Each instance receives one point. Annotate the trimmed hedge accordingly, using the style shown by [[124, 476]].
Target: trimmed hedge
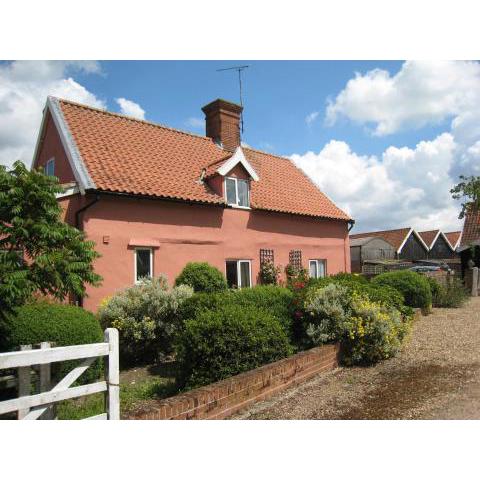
[[414, 287], [227, 341], [202, 277], [276, 300], [50, 322]]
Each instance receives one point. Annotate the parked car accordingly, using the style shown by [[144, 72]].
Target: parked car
[[424, 268]]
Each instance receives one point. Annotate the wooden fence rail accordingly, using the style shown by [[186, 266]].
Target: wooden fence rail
[[41, 405]]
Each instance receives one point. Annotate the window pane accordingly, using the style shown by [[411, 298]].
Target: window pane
[[313, 268], [232, 274], [245, 274], [50, 168], [231, 193], [243, 193], [143, 264], [321, 268]]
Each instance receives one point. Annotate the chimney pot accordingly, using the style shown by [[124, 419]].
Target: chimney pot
[[222, 122]]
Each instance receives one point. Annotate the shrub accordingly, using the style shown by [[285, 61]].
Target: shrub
[[368, 331], [269, 273], [201, 301], [274, 299], [147, 317], [227, 341], [383, 294], [437, 290], [453, 295], [57, 323], [349, 278], [327, 308], [202, 277], [374, 332], [296, 277], [414, 287]]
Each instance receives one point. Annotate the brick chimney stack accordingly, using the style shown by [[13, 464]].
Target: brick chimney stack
[[222, 121]]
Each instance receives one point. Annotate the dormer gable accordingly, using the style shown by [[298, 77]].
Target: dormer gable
[[231, 179], [237, 158]]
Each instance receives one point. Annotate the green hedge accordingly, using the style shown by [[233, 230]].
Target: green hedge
[[61, 324], [274, 299], [229, 340], [202, 277], [414, 287]]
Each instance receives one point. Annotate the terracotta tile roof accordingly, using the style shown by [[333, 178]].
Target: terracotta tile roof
[[453, 237], [127, 155], [429, 236], [471, 228], [394, 237]]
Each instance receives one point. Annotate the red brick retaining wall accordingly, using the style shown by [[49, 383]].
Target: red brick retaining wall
[[221, 399]]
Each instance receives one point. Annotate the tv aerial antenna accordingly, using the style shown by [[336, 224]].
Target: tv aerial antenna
[[239, 69]]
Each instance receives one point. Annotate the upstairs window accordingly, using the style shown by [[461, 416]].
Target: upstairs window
[[237, 192], [49, 168], [317, 268], [143, 264], [239, 273]]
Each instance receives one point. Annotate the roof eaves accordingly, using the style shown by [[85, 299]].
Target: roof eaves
[[77, 164]]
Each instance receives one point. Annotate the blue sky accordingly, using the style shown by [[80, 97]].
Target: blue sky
[[384, 140], [278, 96]]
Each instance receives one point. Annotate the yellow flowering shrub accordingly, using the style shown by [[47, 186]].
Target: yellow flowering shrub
[[373, 332], [368, 330]]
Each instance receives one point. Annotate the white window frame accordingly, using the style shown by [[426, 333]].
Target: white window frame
[[316, 261], [51, 161], [136, 281], [239, 273], [236, 180]]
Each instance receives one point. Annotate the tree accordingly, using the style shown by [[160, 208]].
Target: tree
[[468, 190], [38, 251]]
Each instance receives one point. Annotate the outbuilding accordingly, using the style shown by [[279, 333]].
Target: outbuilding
[[368, 249]]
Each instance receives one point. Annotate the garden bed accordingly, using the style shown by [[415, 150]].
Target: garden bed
[[224, 398], [136, 385]]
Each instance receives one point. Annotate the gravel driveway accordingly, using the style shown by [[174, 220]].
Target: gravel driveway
[[436, 376]]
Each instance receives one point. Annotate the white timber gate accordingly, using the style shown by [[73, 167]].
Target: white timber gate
[[41, 405]]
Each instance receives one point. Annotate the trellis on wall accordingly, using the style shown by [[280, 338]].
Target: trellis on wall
[[266, 256], [295, 259]]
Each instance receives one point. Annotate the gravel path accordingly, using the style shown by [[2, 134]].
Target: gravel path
[[436, 376]]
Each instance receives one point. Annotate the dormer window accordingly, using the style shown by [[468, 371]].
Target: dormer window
[[237, 192]]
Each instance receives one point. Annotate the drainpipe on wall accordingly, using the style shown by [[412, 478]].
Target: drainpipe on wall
[[83, 209], [79, 226], [351, 223]]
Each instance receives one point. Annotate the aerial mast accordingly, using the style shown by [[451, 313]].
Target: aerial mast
[[240, 69]]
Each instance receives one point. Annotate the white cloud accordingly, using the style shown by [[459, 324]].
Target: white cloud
[[132, 109], [311, 117], [24, 87], [195, 122], [421, 93], [406, 187]]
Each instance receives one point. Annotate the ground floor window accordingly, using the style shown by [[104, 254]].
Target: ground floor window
[[318, 268], [143, 264], [239, 273]]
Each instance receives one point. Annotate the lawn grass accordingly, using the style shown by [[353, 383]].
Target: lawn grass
[[137, 384]]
